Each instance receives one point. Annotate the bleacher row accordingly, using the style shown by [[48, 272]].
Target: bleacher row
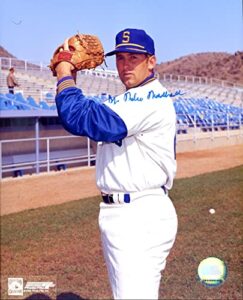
[[203, 113], [223, 94], [38, 84], [206, 114], [19, 102]]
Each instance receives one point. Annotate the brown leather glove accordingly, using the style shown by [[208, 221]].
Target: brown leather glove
[[85, 52]]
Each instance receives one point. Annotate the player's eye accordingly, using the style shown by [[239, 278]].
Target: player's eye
[[134, 56], [119, 57]]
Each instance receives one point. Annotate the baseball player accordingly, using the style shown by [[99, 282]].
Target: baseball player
[[135, 164]]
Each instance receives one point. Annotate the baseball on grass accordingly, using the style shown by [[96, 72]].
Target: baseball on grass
[[212, 211]]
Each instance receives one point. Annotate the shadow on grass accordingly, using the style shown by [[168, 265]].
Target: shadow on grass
[[69, 296], [62, 296]]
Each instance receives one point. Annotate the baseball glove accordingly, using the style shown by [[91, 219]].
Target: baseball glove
[[85, 52]]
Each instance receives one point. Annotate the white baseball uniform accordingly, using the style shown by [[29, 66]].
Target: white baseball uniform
[[135, 168]]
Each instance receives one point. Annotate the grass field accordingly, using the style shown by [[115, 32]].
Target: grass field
[[62, 242]]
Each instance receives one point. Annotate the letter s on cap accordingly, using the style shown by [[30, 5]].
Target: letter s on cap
[[126, 37]]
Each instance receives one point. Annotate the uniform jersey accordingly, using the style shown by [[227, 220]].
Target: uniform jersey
[[135, 133]]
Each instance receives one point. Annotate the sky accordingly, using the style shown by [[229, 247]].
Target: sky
[[33, 29]]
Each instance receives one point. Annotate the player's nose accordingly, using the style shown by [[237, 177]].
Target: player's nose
[[126, 64]]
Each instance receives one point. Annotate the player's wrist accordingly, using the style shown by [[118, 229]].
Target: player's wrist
[[63, 69]]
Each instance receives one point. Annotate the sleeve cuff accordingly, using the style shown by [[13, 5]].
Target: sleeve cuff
[[66, 83]]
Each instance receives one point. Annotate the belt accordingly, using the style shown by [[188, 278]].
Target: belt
[[121, 197]]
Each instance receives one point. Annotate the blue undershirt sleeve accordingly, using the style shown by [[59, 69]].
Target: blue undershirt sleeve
[[86, 117]]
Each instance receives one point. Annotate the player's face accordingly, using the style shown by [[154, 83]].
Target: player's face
[[133, 68]]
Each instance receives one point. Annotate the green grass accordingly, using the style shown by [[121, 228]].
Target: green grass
[[64, 241], [34, 223]]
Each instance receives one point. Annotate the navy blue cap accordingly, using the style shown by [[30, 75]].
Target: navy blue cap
[[133, 41]]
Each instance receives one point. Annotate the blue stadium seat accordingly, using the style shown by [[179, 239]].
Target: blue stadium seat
[[207, 114], [10, 96], [3, 105], [22, 106], [7, 103], [32, 102], [53, 107], [49, 96], [19, 97], [44, 105]]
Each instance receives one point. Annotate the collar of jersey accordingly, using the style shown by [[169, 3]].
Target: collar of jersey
[[148, 79]]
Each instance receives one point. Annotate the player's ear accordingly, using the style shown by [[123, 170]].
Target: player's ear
[[151, 62]]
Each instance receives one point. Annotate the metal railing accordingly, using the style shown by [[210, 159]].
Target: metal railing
[[38, 160], [200, 80]]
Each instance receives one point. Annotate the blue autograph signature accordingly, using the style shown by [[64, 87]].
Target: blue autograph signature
[[152, 95], [113, 100], [132, 97], [128, 96]]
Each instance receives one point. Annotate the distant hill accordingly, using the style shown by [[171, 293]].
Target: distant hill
[[218, 65], [5, 53]]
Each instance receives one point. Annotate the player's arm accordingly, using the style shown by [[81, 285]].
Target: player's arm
[[82, 116], [79, 115]]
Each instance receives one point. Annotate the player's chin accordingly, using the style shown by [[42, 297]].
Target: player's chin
[[129, 83]]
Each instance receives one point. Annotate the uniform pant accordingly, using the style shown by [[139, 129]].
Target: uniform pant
[[137, 238]]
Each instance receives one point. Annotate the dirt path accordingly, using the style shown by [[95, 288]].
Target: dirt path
[[34, 191], [205, 161]]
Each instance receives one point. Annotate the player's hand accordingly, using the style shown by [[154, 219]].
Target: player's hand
[[65, 68]]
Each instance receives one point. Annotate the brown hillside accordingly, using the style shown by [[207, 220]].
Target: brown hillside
[[218, 65], [5, 53]]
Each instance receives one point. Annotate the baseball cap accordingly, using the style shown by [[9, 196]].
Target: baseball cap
[[133, 41]]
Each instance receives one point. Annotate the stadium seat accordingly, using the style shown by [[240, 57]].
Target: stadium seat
[[18, 173], [32, 102], [53, 107], [61, 167], [3, 105], [44, 105], [49, 96], [7, 103], [10, 96], [19, 97]]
